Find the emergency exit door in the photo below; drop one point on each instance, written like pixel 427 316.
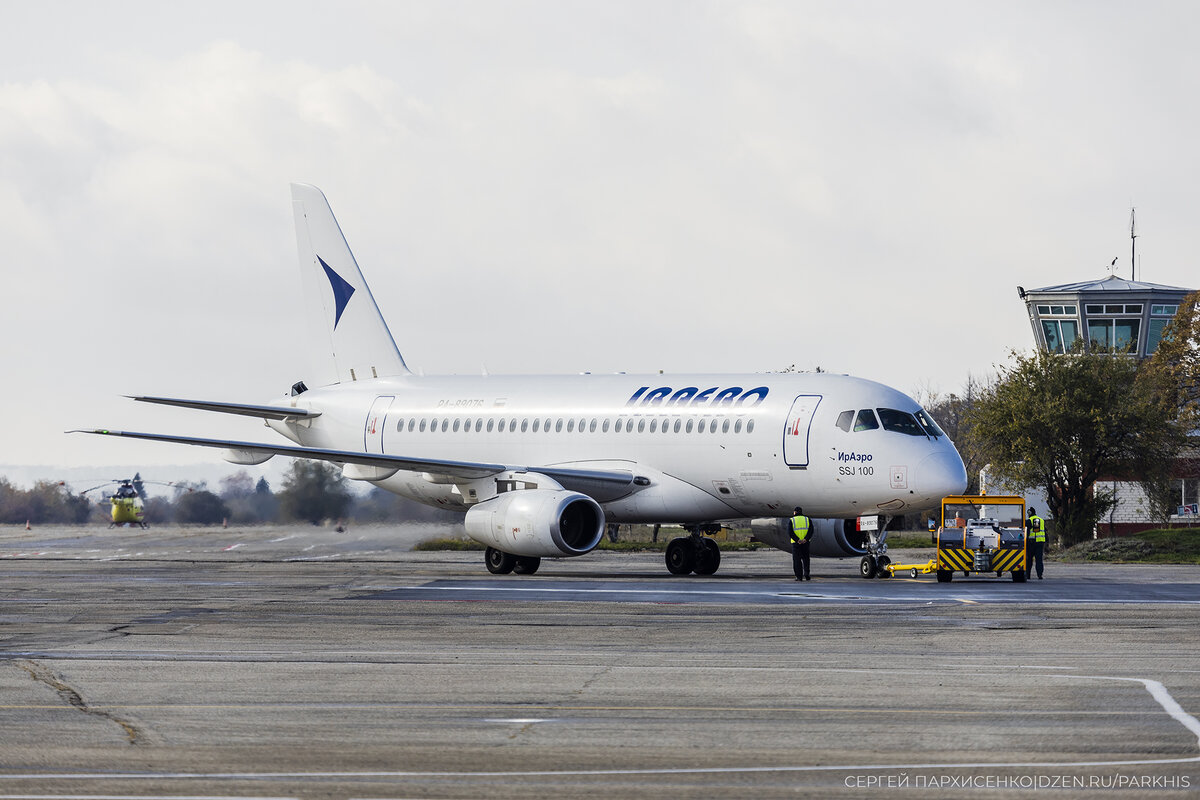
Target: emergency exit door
pixel 795 435
pixel 376 419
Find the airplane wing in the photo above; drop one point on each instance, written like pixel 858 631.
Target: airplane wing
pixel 603 485
pixel 264 412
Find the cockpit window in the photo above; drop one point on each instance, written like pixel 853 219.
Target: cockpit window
pixel 900 422
pixel 844 420
pixel 866 421
pixel 928 424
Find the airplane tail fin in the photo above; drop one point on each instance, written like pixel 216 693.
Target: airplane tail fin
pixel 354 342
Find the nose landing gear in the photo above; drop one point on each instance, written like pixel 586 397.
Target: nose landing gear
pixel 876 562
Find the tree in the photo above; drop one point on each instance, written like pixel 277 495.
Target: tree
pixel 200 507
pixel 248 501
pixel 47 501
pixel 952 414
pixel 313 491
pixel 1177 360
pixel 239 484
pixel 1062 422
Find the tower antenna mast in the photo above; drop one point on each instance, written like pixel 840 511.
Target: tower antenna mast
pixel 1132 244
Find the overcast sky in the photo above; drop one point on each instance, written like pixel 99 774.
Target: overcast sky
pixel 553 187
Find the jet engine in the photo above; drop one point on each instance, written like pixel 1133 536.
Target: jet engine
pixel 537 522
pixel 831 538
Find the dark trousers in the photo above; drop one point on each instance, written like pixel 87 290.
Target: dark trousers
pixel 1035 553
pixel 800 559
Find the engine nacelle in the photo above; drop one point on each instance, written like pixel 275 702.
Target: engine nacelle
pixel 537 522
pixel 831 538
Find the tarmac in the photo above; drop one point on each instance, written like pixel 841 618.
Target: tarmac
pixel 302 662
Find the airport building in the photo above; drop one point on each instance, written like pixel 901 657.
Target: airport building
pixel 1113 312
pixel 1127 315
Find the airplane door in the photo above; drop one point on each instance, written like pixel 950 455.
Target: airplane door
pixel 795 436
pixel 373 431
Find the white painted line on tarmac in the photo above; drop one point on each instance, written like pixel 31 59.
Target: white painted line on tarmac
pixel 1160 695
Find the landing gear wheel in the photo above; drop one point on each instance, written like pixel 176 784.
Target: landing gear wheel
pixel 527 565
pixel 945 575
pixel 681 556
pixel 1018 576
pixel 708 557
pixel 499 562
pixel 882 563
pixel 867 567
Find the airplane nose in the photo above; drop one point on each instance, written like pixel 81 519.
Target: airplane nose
pixel 941 474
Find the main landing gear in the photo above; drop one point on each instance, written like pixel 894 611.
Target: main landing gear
pixel 694 552
pixel 501 563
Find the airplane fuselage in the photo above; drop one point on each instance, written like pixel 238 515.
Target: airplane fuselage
pixel 712 447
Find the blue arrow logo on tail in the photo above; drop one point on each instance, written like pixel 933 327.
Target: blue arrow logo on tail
pixel 341 291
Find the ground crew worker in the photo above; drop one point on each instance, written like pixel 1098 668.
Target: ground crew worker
pixel 801 535
pixel 1035 539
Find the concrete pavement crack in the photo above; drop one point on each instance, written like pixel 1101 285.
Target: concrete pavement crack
pixel 44 675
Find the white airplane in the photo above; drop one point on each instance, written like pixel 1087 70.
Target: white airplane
pixel 540 464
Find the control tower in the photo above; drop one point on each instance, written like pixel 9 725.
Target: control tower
pixel 1110 313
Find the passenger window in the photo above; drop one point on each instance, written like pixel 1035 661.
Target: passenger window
pixel 737 426
pixel 491 424
pixel 411 424
pixel 712 427
pixel 866 421
pixel 400 426
pixel 525 425
pixel 750 426
pixel 558 426
pixel 478 425
pixel 604 429
pixel 845 419
pixel 900 422
pixel 445 425
pixel 725 426
pixel 546 428
pixel 678 425
pixel 618 425
pixel 641 425
pixel 536 425
pixel 457 422
pixel 653 426
pixel 422 426
pixel 592 426
pixel 689 426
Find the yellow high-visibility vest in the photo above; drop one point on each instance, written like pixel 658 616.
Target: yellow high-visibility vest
pixel 801 528
pixel 1037 528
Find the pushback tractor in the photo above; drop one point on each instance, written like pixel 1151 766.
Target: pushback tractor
pixel 981 535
